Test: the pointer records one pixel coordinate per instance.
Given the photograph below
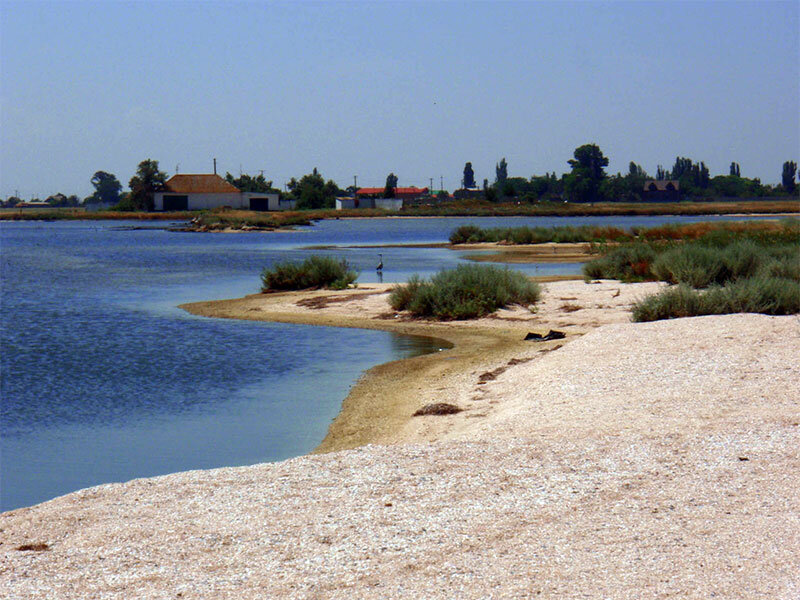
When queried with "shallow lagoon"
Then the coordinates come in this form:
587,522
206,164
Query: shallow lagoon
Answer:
104,379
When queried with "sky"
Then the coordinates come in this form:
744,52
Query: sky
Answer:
414,88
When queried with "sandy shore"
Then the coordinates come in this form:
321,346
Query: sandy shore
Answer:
379,408
627,460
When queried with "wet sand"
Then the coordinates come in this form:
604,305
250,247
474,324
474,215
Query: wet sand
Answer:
379,408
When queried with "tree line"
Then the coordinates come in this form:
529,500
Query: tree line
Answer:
586,181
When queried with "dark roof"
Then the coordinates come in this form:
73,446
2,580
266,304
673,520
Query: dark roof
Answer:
199,184
661,186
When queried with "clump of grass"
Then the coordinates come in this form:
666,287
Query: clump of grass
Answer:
470,234
313,273
242,219
630,262
766,295
466,292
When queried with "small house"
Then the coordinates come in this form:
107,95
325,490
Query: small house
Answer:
205,191
667,190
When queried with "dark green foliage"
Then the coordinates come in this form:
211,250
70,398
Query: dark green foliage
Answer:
247,183
500,172
61,200
469,176
106,188
313,192
391,184
313,273
583,184
787,176
144,184
467,234
466,292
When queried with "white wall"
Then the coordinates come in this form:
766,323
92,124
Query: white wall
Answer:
205,201
272,200
389,203
345,203
234,200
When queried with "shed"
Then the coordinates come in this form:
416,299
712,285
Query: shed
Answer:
205,191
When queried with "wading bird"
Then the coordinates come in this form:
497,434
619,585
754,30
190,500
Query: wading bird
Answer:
379,268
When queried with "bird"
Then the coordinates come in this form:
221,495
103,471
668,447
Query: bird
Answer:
379,268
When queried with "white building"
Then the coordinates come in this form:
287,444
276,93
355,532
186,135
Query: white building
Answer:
384,203
201,192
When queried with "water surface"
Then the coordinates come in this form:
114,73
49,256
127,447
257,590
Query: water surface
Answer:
103,379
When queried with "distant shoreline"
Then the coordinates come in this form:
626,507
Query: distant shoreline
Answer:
233,220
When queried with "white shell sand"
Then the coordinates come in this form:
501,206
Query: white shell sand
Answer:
637,461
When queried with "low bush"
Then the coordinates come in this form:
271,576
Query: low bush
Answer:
466,292
694,265
630,262
470,234
313,273
766,295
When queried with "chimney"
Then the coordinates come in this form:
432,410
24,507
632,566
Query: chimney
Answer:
215,166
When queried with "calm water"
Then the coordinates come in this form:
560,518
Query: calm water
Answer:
104,379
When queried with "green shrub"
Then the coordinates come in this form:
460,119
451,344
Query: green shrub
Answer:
692,264
630,262
313,273
766,295
466,234
470,234
466,292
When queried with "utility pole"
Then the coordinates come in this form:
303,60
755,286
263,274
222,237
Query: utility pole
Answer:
355,181
177,168
215,166
431,188
441,182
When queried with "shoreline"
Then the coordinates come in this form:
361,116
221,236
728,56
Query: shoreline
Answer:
379,407
635,460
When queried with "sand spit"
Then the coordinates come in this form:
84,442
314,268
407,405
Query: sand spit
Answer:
638,460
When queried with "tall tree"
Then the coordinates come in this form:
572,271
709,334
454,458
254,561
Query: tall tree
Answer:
312,191
247,183
106,188
787,177
500,172
391,184
588,172
144,184
734,170
469,176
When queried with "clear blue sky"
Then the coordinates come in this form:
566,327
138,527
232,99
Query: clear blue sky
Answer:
414,88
